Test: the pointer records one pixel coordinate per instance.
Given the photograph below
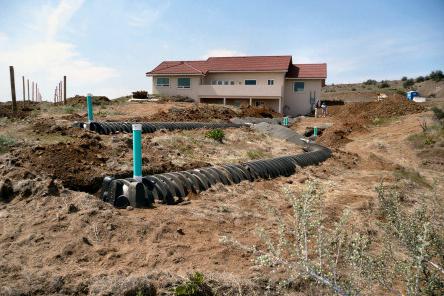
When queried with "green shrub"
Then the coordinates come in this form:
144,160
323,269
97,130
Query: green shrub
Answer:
338,257
408,83
216,134
436,75
439,114
194,286
6,143
69,109
141,94
370,82
420,79
256,154
384,84
404,78
400,92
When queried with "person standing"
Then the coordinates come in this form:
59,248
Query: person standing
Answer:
324,109
317,107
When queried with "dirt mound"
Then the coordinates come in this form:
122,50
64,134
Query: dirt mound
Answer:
203,113
264,112
81,100
358,116
394,105
23,110
82,163
76,163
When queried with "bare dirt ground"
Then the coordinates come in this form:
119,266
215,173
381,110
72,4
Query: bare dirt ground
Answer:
58,238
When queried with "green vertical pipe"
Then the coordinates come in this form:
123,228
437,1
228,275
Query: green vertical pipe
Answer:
89,108
137,152
315,131
285,121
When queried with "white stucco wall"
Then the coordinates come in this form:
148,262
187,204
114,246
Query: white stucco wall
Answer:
298,103
240,77
173,90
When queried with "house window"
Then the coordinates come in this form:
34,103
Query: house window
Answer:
213,82
298,86
183,82
259,103
270,82
219,82
225,82
250,82
162,81
232,82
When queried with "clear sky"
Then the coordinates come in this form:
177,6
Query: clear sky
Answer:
106,46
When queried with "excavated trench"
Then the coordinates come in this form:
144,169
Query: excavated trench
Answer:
171,188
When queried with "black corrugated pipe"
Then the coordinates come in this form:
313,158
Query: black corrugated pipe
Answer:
150,127
170,188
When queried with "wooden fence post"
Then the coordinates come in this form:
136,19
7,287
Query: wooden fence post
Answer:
28,88
32,97
24,91
14,103
60,91
64,90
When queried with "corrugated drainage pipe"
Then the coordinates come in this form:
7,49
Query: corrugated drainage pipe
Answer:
150,127
170,188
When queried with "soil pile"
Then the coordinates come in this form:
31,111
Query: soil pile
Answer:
394,105
263,112
81,100
23,111
75,164
203,113
357,116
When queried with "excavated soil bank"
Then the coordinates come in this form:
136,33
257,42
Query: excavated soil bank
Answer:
208,113
81,165
23,110
358,116
81,100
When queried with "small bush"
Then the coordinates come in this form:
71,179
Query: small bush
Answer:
216,134
436,75
140,94
69,109
6,143
384,84
408,83
420,79
404,78
439,114
353,89
400,92
195,286
370,82
256,154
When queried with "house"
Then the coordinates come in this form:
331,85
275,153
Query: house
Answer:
271,81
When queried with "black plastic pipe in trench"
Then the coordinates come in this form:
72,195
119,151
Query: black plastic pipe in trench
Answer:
170,188
107,128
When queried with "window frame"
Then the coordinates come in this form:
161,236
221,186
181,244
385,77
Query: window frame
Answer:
255,81
270,80
181,86
162,85
298,90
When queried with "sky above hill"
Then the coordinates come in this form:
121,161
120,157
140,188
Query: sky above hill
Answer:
106,47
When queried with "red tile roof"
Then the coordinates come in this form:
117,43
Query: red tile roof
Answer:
251,63
307,71
242,64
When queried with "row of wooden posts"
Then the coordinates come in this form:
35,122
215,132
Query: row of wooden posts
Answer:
34,95
60,92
